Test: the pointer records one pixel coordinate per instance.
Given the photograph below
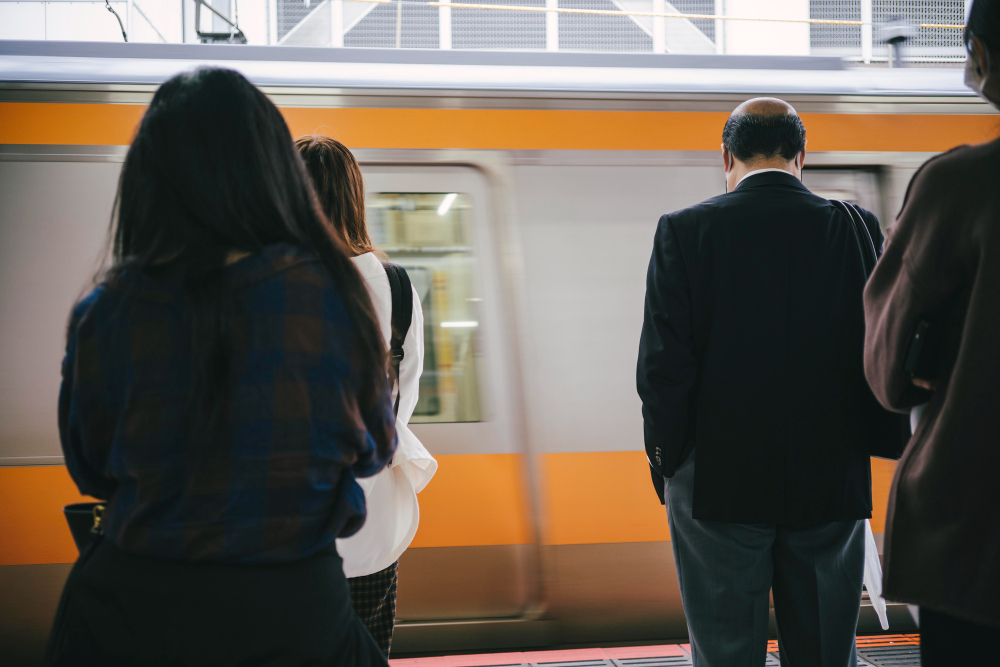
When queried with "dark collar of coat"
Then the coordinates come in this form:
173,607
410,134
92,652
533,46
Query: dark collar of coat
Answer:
770,178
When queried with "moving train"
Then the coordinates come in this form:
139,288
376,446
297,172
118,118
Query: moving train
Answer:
521,191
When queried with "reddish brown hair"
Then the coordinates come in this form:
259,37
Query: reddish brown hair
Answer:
336,177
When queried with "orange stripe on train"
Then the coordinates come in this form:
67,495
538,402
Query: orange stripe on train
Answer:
474,500
114,124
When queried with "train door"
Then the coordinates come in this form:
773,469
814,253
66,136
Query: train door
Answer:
473,555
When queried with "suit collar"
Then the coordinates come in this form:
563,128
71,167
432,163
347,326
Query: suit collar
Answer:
770,178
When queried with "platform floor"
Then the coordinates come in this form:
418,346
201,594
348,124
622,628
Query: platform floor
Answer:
873,651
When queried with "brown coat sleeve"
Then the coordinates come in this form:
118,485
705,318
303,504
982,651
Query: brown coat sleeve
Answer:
921,267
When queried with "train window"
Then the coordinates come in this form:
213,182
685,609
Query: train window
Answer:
430,235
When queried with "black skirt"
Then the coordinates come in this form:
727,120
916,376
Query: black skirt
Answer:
120,609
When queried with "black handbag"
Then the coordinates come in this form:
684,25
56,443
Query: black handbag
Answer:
84,521
888,432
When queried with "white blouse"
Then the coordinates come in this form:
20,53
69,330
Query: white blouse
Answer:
391,495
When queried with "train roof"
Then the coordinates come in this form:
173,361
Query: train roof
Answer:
563,74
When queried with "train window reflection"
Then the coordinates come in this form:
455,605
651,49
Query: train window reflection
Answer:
430,235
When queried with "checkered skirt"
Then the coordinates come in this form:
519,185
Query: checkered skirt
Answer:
374,600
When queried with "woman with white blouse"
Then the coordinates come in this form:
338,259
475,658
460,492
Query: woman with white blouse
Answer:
371,555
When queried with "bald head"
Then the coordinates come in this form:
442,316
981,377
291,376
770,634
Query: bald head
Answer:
764,129
762,133
765,106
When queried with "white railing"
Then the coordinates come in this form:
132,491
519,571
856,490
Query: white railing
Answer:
767,27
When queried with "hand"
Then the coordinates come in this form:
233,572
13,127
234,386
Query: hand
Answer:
924,384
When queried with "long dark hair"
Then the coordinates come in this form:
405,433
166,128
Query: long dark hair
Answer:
212,170
339,186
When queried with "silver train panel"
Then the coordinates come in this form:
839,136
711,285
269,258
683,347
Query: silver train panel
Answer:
587,234
53,227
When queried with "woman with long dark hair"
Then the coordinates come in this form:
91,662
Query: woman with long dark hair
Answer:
223,387
932,310
371,557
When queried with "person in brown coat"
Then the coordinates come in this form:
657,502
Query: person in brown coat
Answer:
942,266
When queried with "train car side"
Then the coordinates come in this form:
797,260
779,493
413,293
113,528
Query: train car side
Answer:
541,526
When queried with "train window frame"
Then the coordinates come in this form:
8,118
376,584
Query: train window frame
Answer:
495,432
430,234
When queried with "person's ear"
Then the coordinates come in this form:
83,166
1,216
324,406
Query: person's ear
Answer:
727,159
800,159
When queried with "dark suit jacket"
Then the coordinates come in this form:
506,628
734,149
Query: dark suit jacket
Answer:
752,352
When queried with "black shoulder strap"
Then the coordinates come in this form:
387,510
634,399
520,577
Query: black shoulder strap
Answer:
402,315
861,234
888,433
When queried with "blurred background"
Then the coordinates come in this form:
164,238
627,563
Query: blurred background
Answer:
851,29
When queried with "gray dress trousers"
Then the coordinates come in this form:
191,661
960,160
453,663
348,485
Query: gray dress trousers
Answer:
726,571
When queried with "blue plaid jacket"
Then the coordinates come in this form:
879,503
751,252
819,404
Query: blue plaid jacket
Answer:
277,482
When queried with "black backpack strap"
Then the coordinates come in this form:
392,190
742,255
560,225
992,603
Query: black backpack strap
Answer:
861,234
402,315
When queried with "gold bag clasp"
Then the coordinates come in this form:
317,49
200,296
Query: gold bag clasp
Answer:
98,513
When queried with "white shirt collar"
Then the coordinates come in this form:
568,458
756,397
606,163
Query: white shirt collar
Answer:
761,171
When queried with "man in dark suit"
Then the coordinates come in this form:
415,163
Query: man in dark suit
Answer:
751,362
